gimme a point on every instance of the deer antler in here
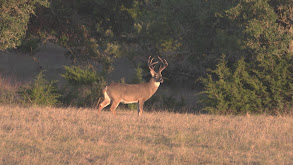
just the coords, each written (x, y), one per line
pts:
(151, 63)
(165, 64)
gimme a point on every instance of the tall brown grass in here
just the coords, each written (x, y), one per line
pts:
(8, 90)
(78, 136)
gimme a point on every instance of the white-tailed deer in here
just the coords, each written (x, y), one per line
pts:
(133, 93)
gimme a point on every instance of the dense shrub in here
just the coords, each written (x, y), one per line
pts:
(241, 89)
(41, 92)
(84, 86)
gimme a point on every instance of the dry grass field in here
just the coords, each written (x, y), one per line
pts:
(80, 136)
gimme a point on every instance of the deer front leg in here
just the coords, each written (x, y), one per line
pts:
(140, 107)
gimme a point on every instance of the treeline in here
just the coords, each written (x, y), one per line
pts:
(241, 49)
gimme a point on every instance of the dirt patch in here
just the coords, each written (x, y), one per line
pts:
(24, 67)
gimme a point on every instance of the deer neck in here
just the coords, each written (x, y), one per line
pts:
(154, 85)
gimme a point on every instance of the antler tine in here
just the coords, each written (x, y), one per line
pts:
(165, 64)
(151, 63)
(160, 59)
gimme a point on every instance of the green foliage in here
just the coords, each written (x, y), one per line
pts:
(84, 86)
(78, 76)
(189, 31)
(93, 31)
(240, 89)
(278, 79)
(14, 19)
(41, 92)
(132, 106)
(139, 75)
(233, 91)
(263, 81)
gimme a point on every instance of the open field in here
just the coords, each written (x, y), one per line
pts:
(79, 136)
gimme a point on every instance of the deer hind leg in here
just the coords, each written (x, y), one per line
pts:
(106, 101)
(137, 108)
(114, 106)
(98, 103)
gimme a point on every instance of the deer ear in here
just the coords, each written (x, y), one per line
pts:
(152, 72)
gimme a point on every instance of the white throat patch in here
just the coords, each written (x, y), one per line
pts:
(157, 84)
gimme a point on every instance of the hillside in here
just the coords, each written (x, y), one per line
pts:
(79, 136)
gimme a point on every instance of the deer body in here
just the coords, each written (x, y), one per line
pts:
(132, 93)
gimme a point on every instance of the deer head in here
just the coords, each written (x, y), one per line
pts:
(157, 76)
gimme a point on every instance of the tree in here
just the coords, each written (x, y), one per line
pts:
(267, 81)
(91, 30)
(14, 18)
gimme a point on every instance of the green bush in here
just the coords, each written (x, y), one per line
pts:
(241, 89)
(84, 86)
(41, 92)
(260, 78)
(139, 75)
